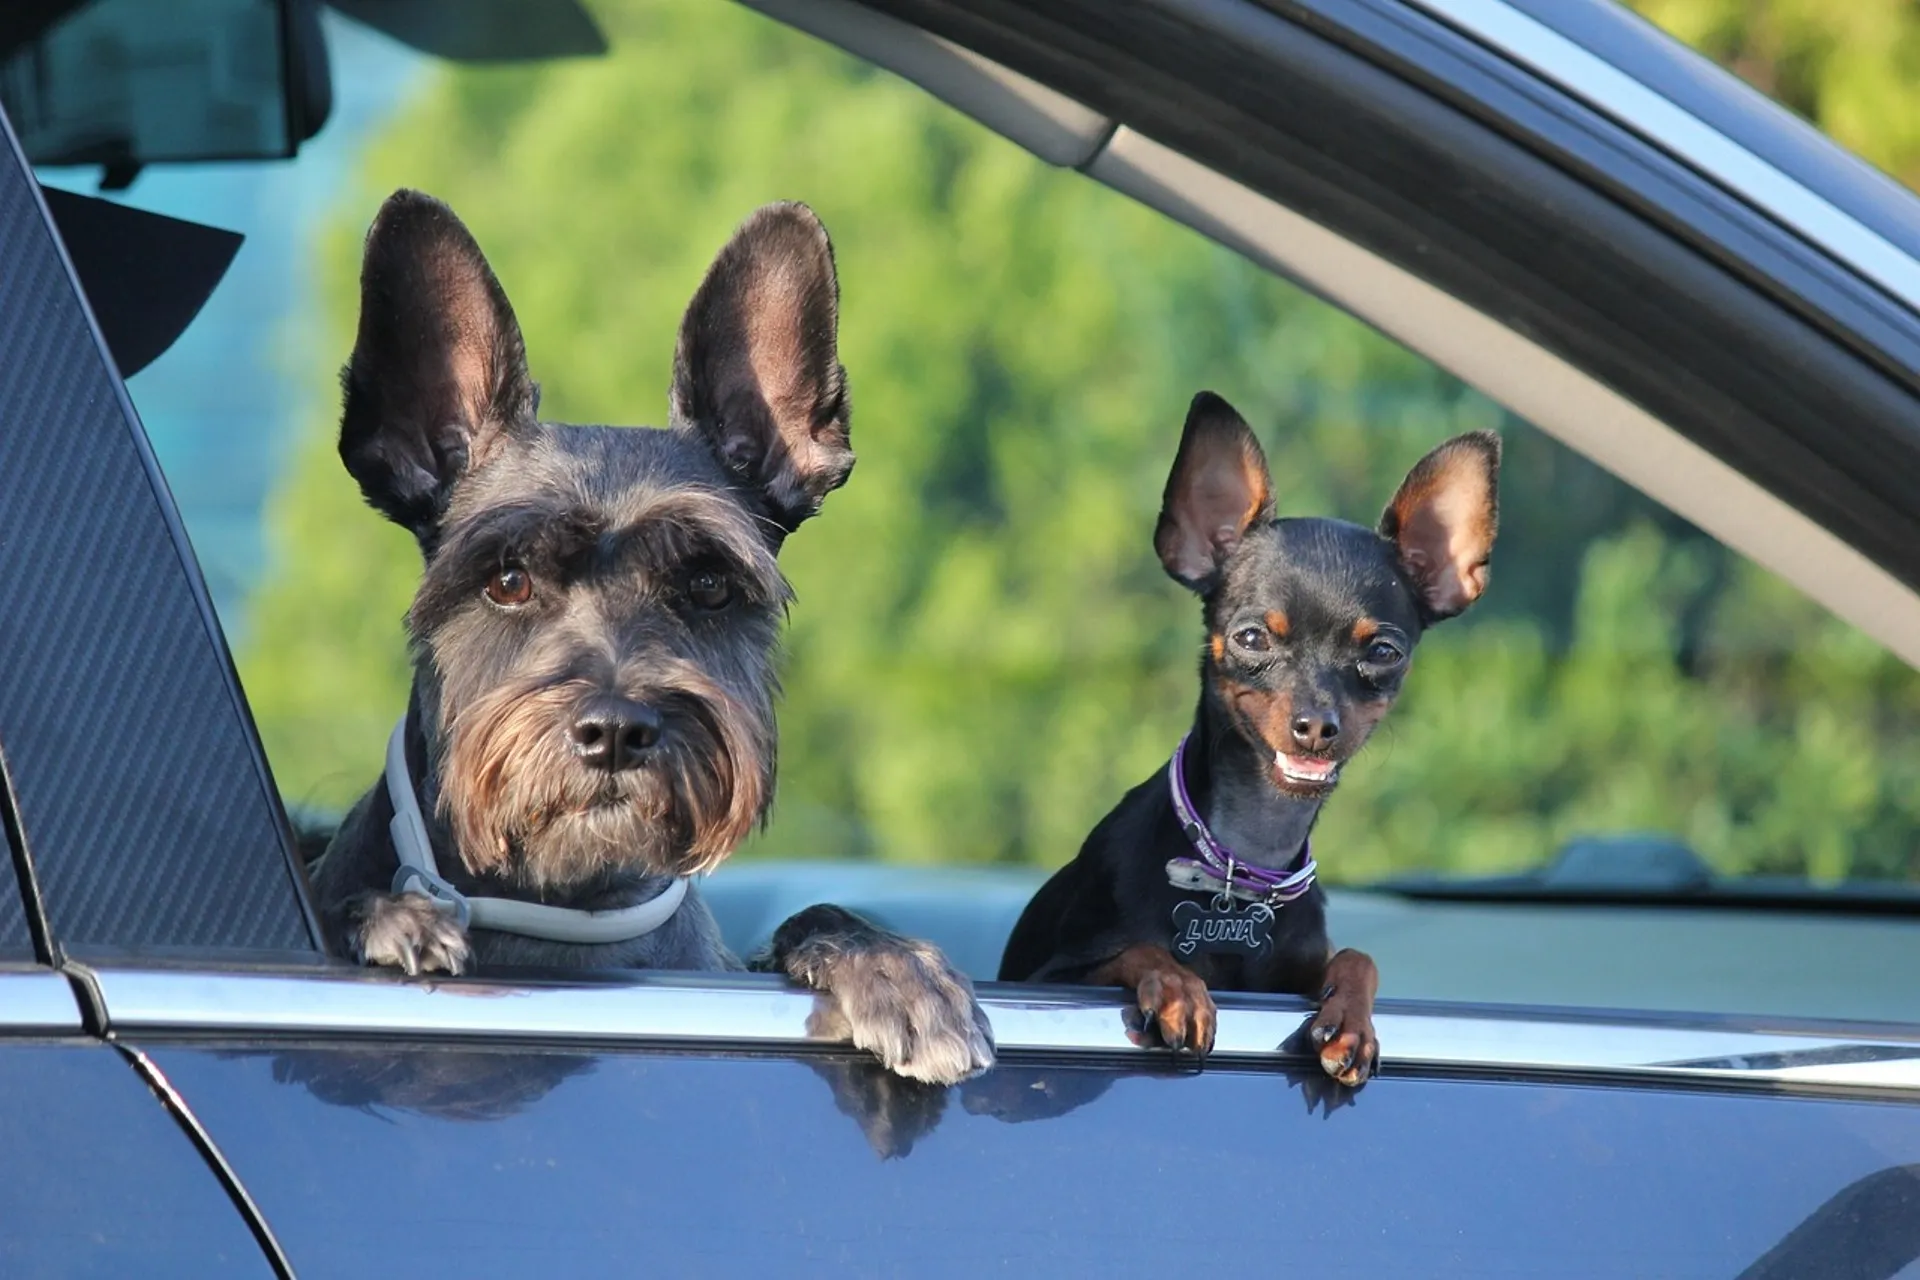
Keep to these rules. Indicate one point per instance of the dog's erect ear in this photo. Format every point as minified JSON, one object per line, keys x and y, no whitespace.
{"x":1444,"y":519}
{"x":1218,"y":488}
{"x":757,"y":370}
{"x":438,"y":371}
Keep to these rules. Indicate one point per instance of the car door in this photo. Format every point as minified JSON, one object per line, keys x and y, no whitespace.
{"x":102,"y":1177}
{"x":691,"y":1126}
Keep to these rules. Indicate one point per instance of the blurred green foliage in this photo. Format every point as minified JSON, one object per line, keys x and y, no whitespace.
{"x":984,"y":654}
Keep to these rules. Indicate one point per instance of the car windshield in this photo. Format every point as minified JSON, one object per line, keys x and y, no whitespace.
{"x":984,"y":653}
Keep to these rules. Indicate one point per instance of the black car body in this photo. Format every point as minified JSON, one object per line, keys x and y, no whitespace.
{"x":1544,"y":196}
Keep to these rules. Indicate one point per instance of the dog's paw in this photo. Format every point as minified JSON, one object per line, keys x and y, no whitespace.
{"x":903,"y":1003}
{"x":1342,"y":1034}
{"x":1172,"y":1006}
{"x":1175,"y":1009}
{"x":894,"y":997}
{"x":406,"y":931}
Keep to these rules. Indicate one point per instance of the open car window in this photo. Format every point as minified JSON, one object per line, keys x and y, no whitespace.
{"x":984,"y":653}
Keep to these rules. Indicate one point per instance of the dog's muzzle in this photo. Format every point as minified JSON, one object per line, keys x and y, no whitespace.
{"x":420,"y":873}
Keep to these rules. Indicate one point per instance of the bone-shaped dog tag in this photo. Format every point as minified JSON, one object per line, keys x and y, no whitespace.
{"x":1210,"y":928}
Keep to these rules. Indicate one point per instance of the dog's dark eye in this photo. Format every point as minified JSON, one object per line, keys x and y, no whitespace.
{"x":1383,"y":653}
{"x":511,"y":586}
{"x":1252,"y":639}
{"x":709,"y":590}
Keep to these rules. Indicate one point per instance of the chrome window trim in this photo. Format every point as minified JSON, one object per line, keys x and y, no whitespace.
{"x":748,"y":1011}
{"x":38,"y":1000}
{"x":1553,"y":57}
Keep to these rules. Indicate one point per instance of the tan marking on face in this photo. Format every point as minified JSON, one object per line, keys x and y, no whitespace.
{"x":1365,"y":630}
{"x":1277,"y":623}
{"x":1218,"y":646}
{"x":1262,"y":713}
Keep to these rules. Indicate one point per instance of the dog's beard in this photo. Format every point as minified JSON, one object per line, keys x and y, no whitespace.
{"x":519,"y":802}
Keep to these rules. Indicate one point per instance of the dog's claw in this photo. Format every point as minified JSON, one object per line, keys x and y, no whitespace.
{"x":1171,"y":1004}
{"x":1343,"y":1031}
{"x":407,"y":932}
{"x":1343,"y":1028}
{"x":1177,"y":1005}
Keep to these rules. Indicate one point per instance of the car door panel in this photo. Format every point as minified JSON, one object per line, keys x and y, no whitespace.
{"x":101,"y":1179}
{"x":508,"y":1160}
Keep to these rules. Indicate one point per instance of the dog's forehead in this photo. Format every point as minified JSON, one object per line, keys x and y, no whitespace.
{"x":1320,"y":572}
{"x":606,"y":474}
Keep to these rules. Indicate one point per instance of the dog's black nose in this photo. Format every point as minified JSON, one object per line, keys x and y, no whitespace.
{"x":1316,"y":730}
{"x":614,"y":733}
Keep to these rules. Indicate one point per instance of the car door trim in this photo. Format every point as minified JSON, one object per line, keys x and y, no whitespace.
{"x":753,"y":1011}
{"x":1617,"y":94}
{"x":1051,"y":125}
{"x":37,"y":1000}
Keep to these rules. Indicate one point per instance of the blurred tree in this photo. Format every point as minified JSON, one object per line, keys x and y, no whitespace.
{"x":985,"y":654}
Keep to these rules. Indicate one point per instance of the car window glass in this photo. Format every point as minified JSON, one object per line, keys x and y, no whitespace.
{"x":984,"y":653}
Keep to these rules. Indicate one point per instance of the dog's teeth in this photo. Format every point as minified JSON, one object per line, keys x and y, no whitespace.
{"x":1305,"y":769}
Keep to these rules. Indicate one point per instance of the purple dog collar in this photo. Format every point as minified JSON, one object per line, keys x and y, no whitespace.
{"x":1217,"y":864}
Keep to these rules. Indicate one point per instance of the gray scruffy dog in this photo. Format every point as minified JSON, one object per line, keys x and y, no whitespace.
{"x":595,"y":634}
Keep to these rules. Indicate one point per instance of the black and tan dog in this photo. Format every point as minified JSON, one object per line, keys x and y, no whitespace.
{"x":1202,"y":875}
{"x":595,"y":634}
